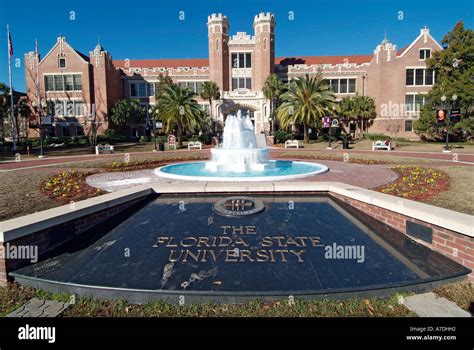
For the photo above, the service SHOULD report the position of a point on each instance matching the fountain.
(239, 152)
(242, 156)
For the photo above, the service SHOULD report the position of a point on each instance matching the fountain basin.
(273, 170)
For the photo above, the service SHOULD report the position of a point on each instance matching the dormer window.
(61, 62)
(425, 54)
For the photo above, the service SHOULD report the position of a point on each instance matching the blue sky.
(152, 28)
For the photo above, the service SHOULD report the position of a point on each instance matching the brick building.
(80, 89)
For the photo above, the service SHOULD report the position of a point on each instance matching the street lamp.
(150, 112)
(448, 107)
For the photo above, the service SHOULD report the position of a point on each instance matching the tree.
(358, 108)
(454, 69)
(364, 107)
(163, 82)
(179, 111)
(127, 112)
(23, 110)
(307, 100)
(347, 113)
(272, 90)
(210, 92)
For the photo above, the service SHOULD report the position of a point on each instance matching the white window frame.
(64, 81)
(414, 110)
(424, 49)
(424, 76)
(339, 84)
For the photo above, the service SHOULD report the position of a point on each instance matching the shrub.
(281, 136)
(376, 136)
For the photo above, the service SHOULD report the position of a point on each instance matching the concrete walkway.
(361, 175)
(432, 305)
(40, 308)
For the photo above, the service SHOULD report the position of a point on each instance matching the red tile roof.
(204, 62)
(309, 60)
(168, 63)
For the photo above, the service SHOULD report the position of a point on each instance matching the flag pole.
(13, 130)
(40, 107)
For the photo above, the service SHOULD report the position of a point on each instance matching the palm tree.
(210, 91)
(307, 100)
(179, 110)
(365, 110)
(272, 90)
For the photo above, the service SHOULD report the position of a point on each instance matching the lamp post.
(150, 112)
(448, 107)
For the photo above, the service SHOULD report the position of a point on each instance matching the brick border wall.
(53, 237)
(444, 241)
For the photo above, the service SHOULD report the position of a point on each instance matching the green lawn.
(13, 296)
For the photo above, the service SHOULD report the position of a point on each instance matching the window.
(58, 83)
(414, 102)
(77, 82)
(198, 87)
(242, 83)
(217, 44)
(409, 99)
(352, 86)
(241, 60)
(62, 62)
(65, 82)
(69, 111)
(420, 76)
(265, 43)
(408, 125)
(151, 89)
(429, 77)
(68, 82)
(78, 108)
(248, 60)
(343, 86)
(425, 53)
(410, 78)
(248, 83)
(50, 108)
(142, 89)
(133, 90)
(59, 108)
(334, 85)
(49, 82)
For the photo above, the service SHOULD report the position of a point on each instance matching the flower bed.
(333, 158)
(148, 163)
(416, 183)
(69, 186)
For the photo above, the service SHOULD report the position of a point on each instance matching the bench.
(55, 145)
(381, 145)
(292, 143)
(104, 148)
(194, 145)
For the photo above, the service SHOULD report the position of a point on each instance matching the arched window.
(217, 44)
(265, 43)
